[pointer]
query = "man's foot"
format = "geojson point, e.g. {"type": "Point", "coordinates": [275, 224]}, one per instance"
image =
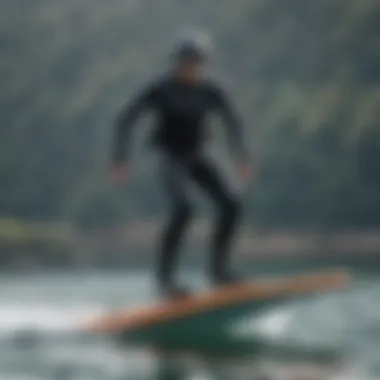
{"type": "Point", "coordinates": [226, 278]}
{"type": "Point", "coordinates": [173, 291]}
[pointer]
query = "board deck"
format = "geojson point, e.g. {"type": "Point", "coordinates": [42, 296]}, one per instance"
{"type": "Point", "coordinates": [229, 296]}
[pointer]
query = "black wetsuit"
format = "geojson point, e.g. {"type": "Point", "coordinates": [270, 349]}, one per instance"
{"type": "Point", "coordinates": [181, 112]}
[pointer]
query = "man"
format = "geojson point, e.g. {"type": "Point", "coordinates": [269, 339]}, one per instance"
{"type": "Point", "coordinates": [182, 100]}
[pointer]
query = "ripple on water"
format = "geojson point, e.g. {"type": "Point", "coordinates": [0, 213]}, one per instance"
{"type": "Point", "coordinates": [52, 306]}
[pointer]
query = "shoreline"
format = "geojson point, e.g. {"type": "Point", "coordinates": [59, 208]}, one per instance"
{"type": "Point", "coordinates": [136, 244]}
{"type": "Point", "coordinates": [249, 240]}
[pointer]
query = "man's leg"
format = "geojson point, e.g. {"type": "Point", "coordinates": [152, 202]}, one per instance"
{"type": "Point", "coordinates": [175, 183]}
{"type": "Point", "coordinates": [228, 204]}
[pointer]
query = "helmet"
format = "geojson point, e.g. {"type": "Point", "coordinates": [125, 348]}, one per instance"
{"type": "Point", "coordinates": [194, 46]}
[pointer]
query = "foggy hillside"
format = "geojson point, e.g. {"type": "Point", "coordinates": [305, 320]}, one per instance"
{"type": "Point", "coordinates": [305, 75]}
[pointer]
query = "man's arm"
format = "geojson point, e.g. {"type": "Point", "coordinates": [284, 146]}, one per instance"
{"type": "Point", "coordinates": [125, 123]}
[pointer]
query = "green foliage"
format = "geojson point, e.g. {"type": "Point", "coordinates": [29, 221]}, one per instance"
{"type": "Point", "coordinates": [22, 233]}
{"type": "Point", "coordinates": [305, 77]}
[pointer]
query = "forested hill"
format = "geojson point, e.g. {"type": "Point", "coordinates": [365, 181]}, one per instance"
{"type": "Point", "coordinates": [306, 75]}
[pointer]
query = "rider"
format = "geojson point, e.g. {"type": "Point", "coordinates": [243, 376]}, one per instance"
{"type": "Point", "coordinates": [181, 101]}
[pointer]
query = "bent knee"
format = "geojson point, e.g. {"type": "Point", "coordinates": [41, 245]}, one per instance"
{"type": "Point", "coordinates": [183, 212]}
{"type": "Point", "coordinates": [231, 207]}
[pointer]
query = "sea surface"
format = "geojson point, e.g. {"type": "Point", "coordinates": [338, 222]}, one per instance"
{"type": "Point", "coordinates": [40, 312]}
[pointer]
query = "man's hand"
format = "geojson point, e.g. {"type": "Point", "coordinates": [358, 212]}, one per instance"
{"type": "Point", "coordinates": [246, 171]}
{"type": "Point", "coordinates": [119, 173]}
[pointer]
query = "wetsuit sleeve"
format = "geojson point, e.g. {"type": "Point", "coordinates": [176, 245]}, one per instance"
{"type": "Point", "coordinates": [233, 123]}
{"type": "Point", "coordinates": [126, 121]}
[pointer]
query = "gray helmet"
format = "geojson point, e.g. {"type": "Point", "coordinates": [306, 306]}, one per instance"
{"type": "Point", "coordinates": [194, 46]}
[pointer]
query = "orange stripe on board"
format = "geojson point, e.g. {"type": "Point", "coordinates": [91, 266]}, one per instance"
{"type": "Point", "coordinates": [229, 296]}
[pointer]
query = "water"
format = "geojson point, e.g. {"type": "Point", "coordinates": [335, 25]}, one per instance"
{"type": "Point", "coordinates": [39, 315]}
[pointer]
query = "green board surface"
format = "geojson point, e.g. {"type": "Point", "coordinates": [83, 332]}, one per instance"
{"type": "Point", "coordinates": [209, 335]}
